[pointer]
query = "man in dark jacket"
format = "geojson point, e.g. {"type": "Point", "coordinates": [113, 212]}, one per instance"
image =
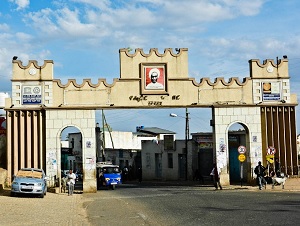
{"type": "Point", "coordinates": [277, 168]}
{"type": "Point", "coordinates": [260, 172]}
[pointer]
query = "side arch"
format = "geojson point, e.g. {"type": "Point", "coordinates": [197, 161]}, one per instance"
{"type": "Point", "coordinates": [223, 118]}
{"type": "Point", "coordinates": [84, 121]}
{"type": "Point", "coordinates": [238, 135]}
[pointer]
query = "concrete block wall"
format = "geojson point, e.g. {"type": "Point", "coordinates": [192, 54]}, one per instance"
{"type": "Point", "coordinates": [250, 118]}
{"type": "Point", "coordinates": [84, 121]}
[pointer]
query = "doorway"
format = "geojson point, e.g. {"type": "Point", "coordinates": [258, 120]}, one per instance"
{"type": "Point", "coordinates": [158, 166]}
{"type": "Point", "coordinates": [237, 136]}
{"type": "Point", "coordinates": [71, 155]}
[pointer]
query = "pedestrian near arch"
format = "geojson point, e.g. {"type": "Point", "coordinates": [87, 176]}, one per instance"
{"type": "Point", "coordinates": [216, 177]}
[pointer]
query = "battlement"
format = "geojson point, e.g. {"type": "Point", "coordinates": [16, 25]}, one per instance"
{"type": "Point", "coordinates": [167, 51]}
{"type": "Point", "coordinates": [269, 69]}
{"type": "Point", "coordinates": [130, 63]}
{"type": "Point", "coordinates": [85, 82]}
{"type": "Point", "coordinates": [220, 81]}
{"type": "Point", "coordinates": [32, 71]}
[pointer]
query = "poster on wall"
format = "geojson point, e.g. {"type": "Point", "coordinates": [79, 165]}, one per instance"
{"type": "Point", "coordinates": [204, 141]}
{"type": "Point", "coordinates": [31, 94]}
{"type": "Point", "coordinates": [154, 78]}
{"type": "Point", "coordinates": [271, 91]}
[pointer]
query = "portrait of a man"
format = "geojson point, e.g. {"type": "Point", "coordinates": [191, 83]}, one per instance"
{"type": "Point", "coordinates": [154, 78]}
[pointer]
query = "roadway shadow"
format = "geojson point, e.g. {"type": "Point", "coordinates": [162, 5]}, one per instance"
{"type": "Point", "coordinates": [5, 192]}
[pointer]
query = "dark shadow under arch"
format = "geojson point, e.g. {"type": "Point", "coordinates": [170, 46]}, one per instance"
{"type": "Point", "coordinates": [238, 135]}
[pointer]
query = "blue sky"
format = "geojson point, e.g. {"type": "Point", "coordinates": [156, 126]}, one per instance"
{"type": "Point", "coordinates": [221, 35]}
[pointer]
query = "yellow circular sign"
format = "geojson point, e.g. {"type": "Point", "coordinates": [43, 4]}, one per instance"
{"type": "Point", "coordinates": [270, 158]}
{"type": "Point", "coordinates": [242, 157]}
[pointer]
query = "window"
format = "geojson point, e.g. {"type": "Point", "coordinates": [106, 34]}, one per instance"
{"type": "Point", "coordinates": [120, 153]}
{"type": "Point", "coordinates": [169, 142]}
{"type": "Point", "coordinates": [170, 160]}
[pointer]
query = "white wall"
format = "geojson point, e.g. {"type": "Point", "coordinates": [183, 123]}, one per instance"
{"type": "Point", "coordinates": [150, 148]}
{"type": "Point", "coordinates": [124, 140]}
{"type": "Point", "coordinates": [223, 119]}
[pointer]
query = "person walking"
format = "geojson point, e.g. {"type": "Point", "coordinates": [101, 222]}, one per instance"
{"type": "Point", "coordinates": [260, 172]}
{"type": "Point", "coordinates": [71, 182]}
{"type": "Point", "coordinates": [216, 177]}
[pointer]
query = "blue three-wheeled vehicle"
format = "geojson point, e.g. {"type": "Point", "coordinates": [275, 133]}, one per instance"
{"type": "Point", "coordinates": [108, 175]}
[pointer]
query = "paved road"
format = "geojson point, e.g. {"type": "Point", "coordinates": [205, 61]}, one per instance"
{"type": "Point", "coordinates": [158, 203]}
{"type": "Point", "coordinates": [192, 205]}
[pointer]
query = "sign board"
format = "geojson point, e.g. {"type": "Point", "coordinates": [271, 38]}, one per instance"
{"type": "Point", "coordinates": [242, 157]}
{"type": "Point", "coordinates": [270, 158]}
{"type": "Point", "coordinates": [242, 149]}
{"type": "Point", "coordinates": [271, 150]}
{"type": "Point", "coordinates": [31, 94]}
{"type": "Point", "coordinates": [271, 91]}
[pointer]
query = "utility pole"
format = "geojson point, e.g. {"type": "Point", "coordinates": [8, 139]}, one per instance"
{"type": "Point", "coordinates": [103, 137]}
{"type": "Point", "coordinates": [187, 132]}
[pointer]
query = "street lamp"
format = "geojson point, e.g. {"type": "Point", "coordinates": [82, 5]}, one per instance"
{"type": "Point", "coordinates": [186, 137]}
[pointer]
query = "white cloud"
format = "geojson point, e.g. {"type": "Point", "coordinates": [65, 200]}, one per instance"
{"type": "Point", "coordinates": [4, 27]}
{"type": "Point", "coordinates": [101, 4]}
{"type": "Point", "coordinates": [107, 18]}
{"type": "Point", "coordinates": [22, 4]}
{"type": "Point", "coordinates": [43, 21]}
{"type": "Point", "coordinates": [250, 8]}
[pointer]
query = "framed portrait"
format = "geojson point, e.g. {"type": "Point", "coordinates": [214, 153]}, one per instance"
{"type": "Point", "coordinates": [153, 78]}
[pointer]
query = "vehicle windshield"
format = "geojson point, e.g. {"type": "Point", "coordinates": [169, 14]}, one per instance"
{"type": "Point", "coordinates": [111, 169]}
{"type": "Point", "coordinates": [30, 173]}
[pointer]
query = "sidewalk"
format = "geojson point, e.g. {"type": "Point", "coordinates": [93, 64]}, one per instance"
{"type": "Point", "coordinates": [53, 209]}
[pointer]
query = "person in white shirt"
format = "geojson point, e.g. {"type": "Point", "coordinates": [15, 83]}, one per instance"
{"type": "Point", "coordinates": [71, 182]}
{"type": "Point", "coordinates": [216, 177]}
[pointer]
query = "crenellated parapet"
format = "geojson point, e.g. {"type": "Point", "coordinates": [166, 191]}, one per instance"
{"type": "Point", "coordinates": [85, 83]}
{"type": "Point", "coordinates": [269, 69]}
{"type": "Point", "coordinates": [32, 71]}
{"type": "Point", "coordinates": [167, 51]}
{"type": "Point", "coordinates": [268, 83]}
{"type": "Point", "coordinates": [271, 81]}
{"type": "Point", "coordinates": [177, 63]}
{"type": "Point", "coordinates": [220, 81]}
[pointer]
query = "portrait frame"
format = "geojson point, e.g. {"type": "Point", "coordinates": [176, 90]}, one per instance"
{"type": "Point", "coordinates": [147, 70]}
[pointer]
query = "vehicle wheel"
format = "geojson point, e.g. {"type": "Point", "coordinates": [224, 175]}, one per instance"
{"type": "Point", "coordinates": [42, 195]}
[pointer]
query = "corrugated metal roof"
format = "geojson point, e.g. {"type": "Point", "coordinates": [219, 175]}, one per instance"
{"type": "Point", "coordinates": [155, 130]}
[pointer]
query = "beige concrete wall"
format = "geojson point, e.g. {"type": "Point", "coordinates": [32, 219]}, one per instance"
{"type": "Point", "coordinates": [127, 90]}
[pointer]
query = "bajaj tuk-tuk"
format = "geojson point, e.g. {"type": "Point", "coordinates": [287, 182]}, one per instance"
{"type": "Point", "coordinates": [108, 175]}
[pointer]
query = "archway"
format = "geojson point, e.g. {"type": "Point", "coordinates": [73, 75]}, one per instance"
{"type": "Point", "coordinates": [71, 154]}
{"type": "Point", "coordinates": [238, 136]}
